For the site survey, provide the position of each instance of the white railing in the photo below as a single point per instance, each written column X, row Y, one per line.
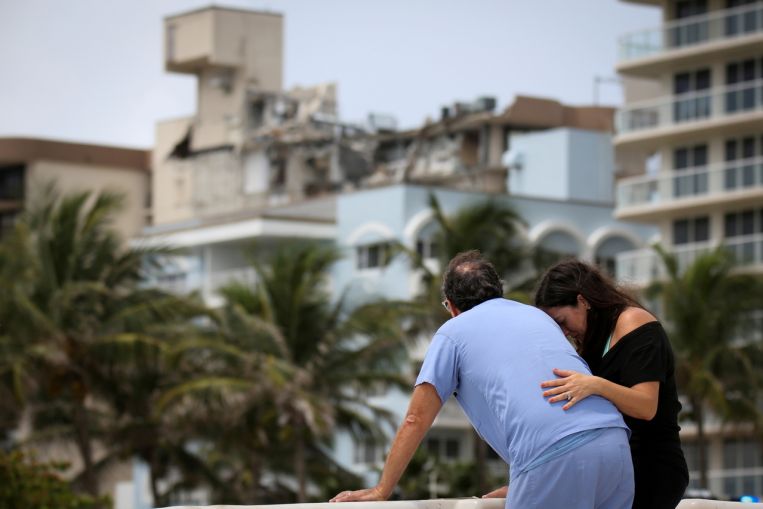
column 644, row 265
column 666, row 187
column 459, row 503
column 680, row 109
column 695, row 30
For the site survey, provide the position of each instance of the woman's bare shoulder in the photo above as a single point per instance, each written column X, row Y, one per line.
column 632, row 318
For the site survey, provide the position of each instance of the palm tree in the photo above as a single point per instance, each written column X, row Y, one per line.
column 17, row 317
column 488, row 226
column 80, row 309
column 707, row 307
column 297, row 363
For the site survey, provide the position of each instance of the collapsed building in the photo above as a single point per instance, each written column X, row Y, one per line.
column 252, row 145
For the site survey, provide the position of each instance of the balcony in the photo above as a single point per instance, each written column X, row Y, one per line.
column 648, row 198
column 726, row 109
column 642, row 266
column 681, row 42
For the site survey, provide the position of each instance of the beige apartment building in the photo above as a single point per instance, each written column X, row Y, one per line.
column 26, row 164
column 694, row 114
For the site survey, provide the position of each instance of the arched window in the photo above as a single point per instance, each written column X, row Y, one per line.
column 556, row 245
column 607, row 251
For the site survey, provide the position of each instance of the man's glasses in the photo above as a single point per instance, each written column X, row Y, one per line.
column 446, row 305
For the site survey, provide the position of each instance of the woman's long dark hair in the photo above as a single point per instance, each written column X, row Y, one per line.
column 561, row 285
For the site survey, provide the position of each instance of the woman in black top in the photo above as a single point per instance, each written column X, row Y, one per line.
column 633, row 367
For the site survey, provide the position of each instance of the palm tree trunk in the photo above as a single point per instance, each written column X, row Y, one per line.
column 701, row 442
column 299, row 463
column 84, row 446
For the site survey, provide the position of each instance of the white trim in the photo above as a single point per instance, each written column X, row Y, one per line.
column 600, row 235
column 376, row 227
column 544, row 228
column 415, row 225
column 259, row 227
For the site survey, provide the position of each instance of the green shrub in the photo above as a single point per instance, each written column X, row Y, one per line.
column 26, row 483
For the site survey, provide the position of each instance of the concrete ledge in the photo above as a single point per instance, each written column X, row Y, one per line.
column 452, row 503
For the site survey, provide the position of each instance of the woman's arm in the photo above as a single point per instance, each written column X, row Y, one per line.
column 639, row 401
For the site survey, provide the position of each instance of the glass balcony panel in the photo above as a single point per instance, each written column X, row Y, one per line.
column 682, row 109
column 693, row 31
column 727, row 177
column 644, row 265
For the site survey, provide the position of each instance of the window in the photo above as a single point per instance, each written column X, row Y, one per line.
column 426, row 248
column 691, row 230
column 742, row 20
column 743, row 223
column 690, row 161
column 742, row 80
column 744, row 162
column 684, row 34
column 372, row 256
column 12, row 182
column 743, row 231
column 692, row 86
column 606, row 253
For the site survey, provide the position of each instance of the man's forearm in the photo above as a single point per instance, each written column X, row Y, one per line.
column 422, row 411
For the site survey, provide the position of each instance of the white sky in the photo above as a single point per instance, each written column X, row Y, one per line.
column 92, row 70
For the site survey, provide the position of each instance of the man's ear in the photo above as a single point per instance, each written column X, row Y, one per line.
column 454, row 311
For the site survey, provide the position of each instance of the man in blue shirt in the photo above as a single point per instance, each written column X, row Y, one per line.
column 493, row 354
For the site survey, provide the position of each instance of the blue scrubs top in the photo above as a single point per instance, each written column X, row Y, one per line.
column 494, row 357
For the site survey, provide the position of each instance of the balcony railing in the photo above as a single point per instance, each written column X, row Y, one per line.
column 644, row 265
column 681, row 109
column 667, row 187
column 695, row 30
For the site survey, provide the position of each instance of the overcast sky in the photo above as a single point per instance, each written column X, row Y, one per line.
column 92, row 70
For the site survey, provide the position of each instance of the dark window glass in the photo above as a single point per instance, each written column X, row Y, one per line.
column 732, row 73
column 373, row 256
column 682, row 83
column 680, row 158
column 700, row 155
column 748, row 148
column 731, row 150
column 12, row 183
column 680, row 231
column 701, row 229
column 748, row 222
column 730, row 225
column 702, row 80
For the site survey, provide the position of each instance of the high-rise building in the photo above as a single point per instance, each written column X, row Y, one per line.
column 693, row 117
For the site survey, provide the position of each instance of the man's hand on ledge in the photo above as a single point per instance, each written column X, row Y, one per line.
column 367, row 495
column 501, row 492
